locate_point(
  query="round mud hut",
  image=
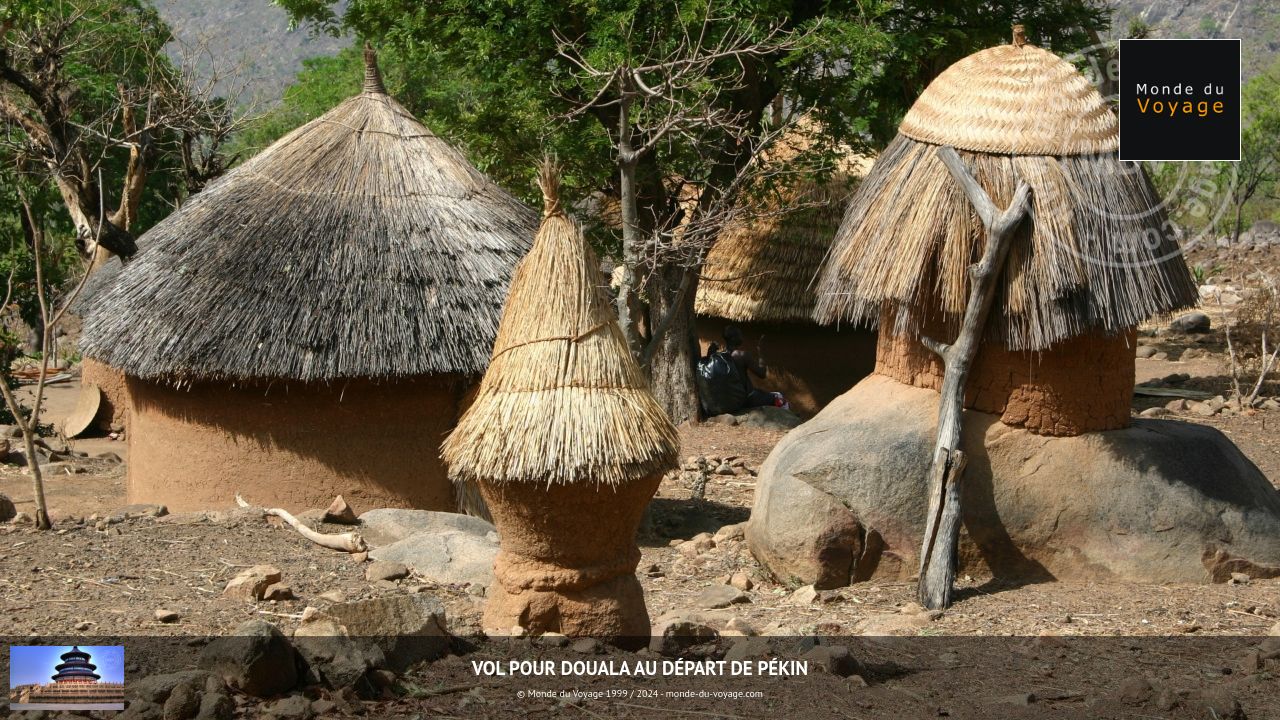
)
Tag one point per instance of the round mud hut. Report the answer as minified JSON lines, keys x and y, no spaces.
{"x":758,"y":276}
{"x":1061,"y":482}
{"x":566,"y":444}
{"x":310,"y":324}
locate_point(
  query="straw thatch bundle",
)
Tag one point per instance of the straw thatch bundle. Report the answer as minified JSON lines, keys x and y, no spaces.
{"x":563,"y":400}
{"x":761,"y":267}
{"x":1094,"y":256}
{"x":360,"y":245}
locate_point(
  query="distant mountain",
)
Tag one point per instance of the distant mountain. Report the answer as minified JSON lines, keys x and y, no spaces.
{"x":250,"y":36}
{"x":1255,"y":22}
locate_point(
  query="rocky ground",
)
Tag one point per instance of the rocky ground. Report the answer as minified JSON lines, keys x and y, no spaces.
{"x":136,"y":573}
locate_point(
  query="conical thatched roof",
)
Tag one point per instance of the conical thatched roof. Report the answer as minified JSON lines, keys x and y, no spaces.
{"x":761,"y":267}
{"x":563,"y":400}
{"x":1094,"y":256}
{"x":359,"y":245}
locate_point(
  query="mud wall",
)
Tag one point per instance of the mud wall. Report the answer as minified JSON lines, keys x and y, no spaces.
{"x":114,"y":410}
{"x":292,"y":445}
{"x":808,"y":363}
{"x":1080,"y":385}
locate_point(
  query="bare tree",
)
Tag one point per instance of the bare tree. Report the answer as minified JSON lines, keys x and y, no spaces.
{"x":49,"y":319}
{"x":702,"y":95}
{"x":70,"y":138}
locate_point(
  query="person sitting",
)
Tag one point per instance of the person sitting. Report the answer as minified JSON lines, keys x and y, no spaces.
{"x":751,"y":364}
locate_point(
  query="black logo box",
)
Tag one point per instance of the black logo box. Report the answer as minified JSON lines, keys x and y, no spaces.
{"x":1187,"y":68}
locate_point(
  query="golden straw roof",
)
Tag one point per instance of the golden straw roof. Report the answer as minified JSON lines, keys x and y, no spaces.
{"x":1094,"y":255}
{"x":563,"y":400}
{"x":761,"y":268}
{"x":360,"y":245}
{"x":1018,"y":100}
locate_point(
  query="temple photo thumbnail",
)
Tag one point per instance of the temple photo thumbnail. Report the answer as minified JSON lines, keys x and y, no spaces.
{"x":60,"y":677}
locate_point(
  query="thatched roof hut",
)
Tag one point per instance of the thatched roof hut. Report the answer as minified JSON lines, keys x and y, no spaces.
{"x":1093,"y":260}
{"x":566,"y":445}
{"x":349,"y":273}
{"x":759,"y":276}
{"x":563,"y":400}
{"x":1094,"y":257}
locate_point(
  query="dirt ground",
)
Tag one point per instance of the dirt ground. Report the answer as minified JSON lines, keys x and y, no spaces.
{"x":82,"y":580}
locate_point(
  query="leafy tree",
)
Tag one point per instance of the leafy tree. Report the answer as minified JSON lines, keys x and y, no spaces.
{"x":489,"y":74}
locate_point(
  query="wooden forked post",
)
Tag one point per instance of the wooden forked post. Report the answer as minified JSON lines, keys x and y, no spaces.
{"x":942,"y":526}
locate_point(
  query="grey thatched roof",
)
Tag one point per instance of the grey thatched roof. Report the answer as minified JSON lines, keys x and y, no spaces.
{"x":359,"y":245}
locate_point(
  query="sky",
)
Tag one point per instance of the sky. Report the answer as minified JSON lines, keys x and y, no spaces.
{"x":33,"y":664}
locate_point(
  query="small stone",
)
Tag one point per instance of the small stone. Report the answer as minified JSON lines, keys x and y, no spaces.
{"x":1160,"y":356}
{"x":82,"y":625}
{"x":1203,"y":409}
{"x":696,"y":545}
{"x":359,"y":557}
{"x":654,"y":570}
{"x":1146,"y":351}
{"x":385,"y":570}
{"x":1274,"y":631}
{"x":1155,"y":412}
{"x":1177,"y":405}
{"x":294,"y":707}
{"x":1270,"y":404}
{"x":723,"y":419}
{"x":1134,"y":691}
{"x":21,"y":518}
{"x":726,"y":469}
{"x":340,"y":513}
{"x":586,"y":646}
{"x":552,"y":639}
{"x":1022,"y":699}
{"x":332,"y":596}
{"x":738,"y":626}
{"x":721,"y":596}
{"x":167,"y":616}
{"x":7,"y":510}
{"x":1191,"y":323}
{"x":251,"y":583}
{"x":278,"y":592}
{"x":806,"y":595}
{"x":673,"y":634}
{"x":323,"y":706}
{"x":834,"y":659}
{"x":737,"y":531}
{"x":1251,"y":662}
{"x":741,"y":581}
{"x":1239,"y":578}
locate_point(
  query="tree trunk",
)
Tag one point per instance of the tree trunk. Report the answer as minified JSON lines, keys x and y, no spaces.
{"x":946,"y":474}
{"x":671,"y":367}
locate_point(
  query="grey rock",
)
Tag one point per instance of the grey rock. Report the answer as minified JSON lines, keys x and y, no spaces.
{"x":385,"y":526}
{"x":333,"y":658}
{"x":256,"y":658}
{"x":1190,"y":323}
{"x":675,"y":633}
{"x":723,"y":419}
{"x":215,"y":706}
{"x":167,"y":616}
{"x":408,"y":628}
{"x":448,"y":557}
{"x":721,"y":596}
{"x":7,"y":510}
{"x":749,"y":648}
{"x":769,"y":418}
{"x":1146,"y":351}
{"x":1160,"y":501}
{"x":294,"y":707}
{"x":587,"y":646}
{"x":834,"y":659}
{"x":385,"y":570}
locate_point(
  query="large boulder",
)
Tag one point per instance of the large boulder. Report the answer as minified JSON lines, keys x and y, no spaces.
{"x":449,"y":557}
{"x":385,"y":526}
{"x":255,"y":659}
{"x":842,"y":498}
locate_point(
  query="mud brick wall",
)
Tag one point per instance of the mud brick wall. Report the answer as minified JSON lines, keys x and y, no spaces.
{"x":1081,"y":385}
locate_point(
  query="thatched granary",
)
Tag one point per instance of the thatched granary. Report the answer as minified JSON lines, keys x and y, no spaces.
{"x":1093,"y":261}
{"x":309,"y":324}
{"x":567,"y":446}
{"x":1061,"y":483}
{"x":759,"y":276}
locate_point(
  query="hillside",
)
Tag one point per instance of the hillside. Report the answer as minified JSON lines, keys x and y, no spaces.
{"x":1256,"y":22}
{"x":251,"y":35}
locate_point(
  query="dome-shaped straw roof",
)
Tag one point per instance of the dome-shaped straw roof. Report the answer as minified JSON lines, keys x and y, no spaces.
{"x":1095,"y":255}
{"x":563,"y":400}
{"x":1015,"y":100}
{"x":360,"y":245}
